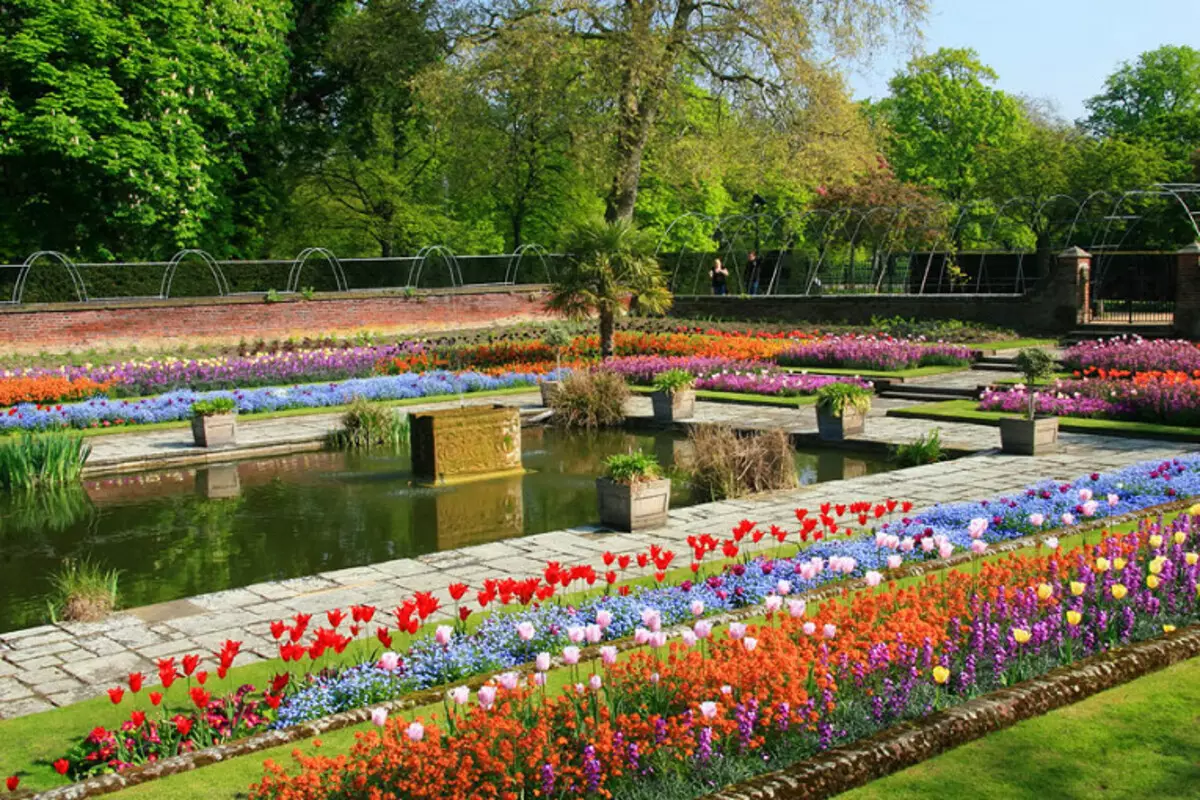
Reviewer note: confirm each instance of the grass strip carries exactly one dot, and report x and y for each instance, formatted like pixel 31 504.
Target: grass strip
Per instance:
pixel 742 397
pixel 1000 345
pixel 913 372
pixel 967 411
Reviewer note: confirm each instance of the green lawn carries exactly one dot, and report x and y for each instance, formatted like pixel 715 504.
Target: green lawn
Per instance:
pixel 991 348
pixel 915 372
pixel 1139 740
pixel 742 397
pixel 968 411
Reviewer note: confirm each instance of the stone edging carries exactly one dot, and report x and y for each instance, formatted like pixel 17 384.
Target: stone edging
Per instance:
pixel 907 744
pixel 106 784
pixel 1064 424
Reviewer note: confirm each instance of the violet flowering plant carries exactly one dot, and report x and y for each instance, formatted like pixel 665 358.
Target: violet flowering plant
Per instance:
pixel 1134 354
pixel 870 352
pixel 1157 401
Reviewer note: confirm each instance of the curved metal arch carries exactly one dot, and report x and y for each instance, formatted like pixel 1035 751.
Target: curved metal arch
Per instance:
pixel 662 241
pixel 168 278
pixel 435 250
pixel 788 239
pixel 514 262
pixel 298 263
pixel 1101 252
pixel 72 271
pixel 1069 239
pixel 816 269
pixel 989 238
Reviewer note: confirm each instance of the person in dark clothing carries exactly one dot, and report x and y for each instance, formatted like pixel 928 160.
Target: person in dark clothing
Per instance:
pixel 719 276
pixel 753 272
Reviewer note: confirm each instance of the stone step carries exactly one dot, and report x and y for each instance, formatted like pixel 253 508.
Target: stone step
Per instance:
pixel 1149 331
pixel 930 394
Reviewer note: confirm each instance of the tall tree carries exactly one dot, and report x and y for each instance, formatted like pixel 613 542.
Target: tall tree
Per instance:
pixel 1155 99
pixel 943 112
pixel 759 47
pixel 126 127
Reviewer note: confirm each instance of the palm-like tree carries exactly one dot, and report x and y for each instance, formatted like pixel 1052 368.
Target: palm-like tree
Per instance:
pixel 608 263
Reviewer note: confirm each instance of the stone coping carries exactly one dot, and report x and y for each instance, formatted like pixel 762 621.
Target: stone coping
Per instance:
pixel 909 743
pixel 106 784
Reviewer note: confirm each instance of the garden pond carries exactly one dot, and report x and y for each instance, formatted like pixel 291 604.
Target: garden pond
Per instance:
pixel 184 532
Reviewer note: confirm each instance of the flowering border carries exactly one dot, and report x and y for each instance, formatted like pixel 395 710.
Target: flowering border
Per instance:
pixel 841 769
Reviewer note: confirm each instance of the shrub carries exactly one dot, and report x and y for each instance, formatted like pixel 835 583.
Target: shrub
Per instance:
pixel 631 468
pixel 835 398
pixel 674 380
pixel 1036 365
pixel 83 592
pixel 590 400
pixel 729 465
pixel 367 425
pixel 215 405
pixel 558 339
pixel 922 450
pixel 41 460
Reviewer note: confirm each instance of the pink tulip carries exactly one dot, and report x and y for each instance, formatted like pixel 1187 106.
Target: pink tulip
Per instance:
pixel 1068 519
pixel 641 636
pixel 539 678
pixel 1037 520
pixel 604 618
pixel 593 633
pixel 783 588
pixel 702 628
pixel 750 643
pixel 460 695
pixel 906 545
pixel 379 716
pixel 658 639
pixel 829 631
pixel 796 608
pixel 809 628
pixel 570 656
pixel 945 550
pixel 1085 495
pixel 895 562
pixel 773 603
pixel 608 654
pixel 595 683
pixel 977 527
pixel 736 630
pixel 525 630
pixel 388 661
pixel 697 607
pixel 443 634
pixel 542 662
pixel 1113 500
pixel 873 578
pixel 651 618
pixel 575 634
pixel 689 638
pixel 487 697
pixel 1089 508
pixel 708 709
pixel 508 680
pixel 415 731
pixel 979 547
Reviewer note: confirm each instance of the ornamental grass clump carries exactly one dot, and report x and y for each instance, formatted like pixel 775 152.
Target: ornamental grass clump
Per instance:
pixel 590 399
pixel 925 449
pixel 213 406
pixel 40 460
pixel 83 591
pixel 367 425
pixel 730 465
pixel 631 468
pixel 674 380
pixel 836 398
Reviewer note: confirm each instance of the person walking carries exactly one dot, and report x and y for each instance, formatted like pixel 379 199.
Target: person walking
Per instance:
pixel 753 272
pixel 719 276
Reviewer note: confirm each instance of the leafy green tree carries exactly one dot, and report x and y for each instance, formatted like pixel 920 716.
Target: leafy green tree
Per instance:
pixel 771 50
pixel 608 263
pixel 1155 99
pixel 125 128
pixel 942 114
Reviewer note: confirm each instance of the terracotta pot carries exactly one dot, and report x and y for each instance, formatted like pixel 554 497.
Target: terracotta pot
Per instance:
pixel 633 507
pixel 670 406
pixel 1029 437
pixel 215 430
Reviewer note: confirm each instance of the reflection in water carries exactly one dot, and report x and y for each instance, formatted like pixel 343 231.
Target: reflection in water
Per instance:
pixel 177 533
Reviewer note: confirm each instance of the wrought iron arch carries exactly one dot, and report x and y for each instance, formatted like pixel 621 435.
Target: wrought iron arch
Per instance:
pixel 514 262
pixel 339 276
pixel 169 272
pixel 72 271
pixel 435 250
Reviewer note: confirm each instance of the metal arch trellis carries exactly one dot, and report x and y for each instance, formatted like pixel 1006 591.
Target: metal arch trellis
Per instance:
pixel 989 238
pixel 434 250
pixel 72 271
pixel 662 240
pixel 339 276
pixel 168 277
pixel 514 262
pixel 1103 249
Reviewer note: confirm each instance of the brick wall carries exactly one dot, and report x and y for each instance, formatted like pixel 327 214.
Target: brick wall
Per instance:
pixel 159 324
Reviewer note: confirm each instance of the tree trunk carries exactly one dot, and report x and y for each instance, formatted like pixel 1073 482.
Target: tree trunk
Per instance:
pixel 606 333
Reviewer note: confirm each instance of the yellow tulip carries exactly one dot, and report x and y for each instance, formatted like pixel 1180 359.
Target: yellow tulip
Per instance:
pixel 1073 617
pixel 1119 564
pixel 1180 537
pixel 1102 565
pixel 1194 510
pixel 1152 581
pixel 1118 591
pixel 1044 591
pixel 1191 558
pixel 1156 541
pixel 941 674
pixel 1156 566
pixel 1077 588
pixel 1168 628
pixel 1021 635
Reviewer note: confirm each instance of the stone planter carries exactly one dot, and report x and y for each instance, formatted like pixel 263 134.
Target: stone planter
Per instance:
pixel 464 443
pixel 215 430
pixel 834 429
pixel 1029 437
pixel 633 507
pixel 219 482
pixel 670 406
pixel 549 390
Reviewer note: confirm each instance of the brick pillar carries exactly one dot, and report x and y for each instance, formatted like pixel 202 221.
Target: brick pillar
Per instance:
pixel 1187 292
pixel 1066 292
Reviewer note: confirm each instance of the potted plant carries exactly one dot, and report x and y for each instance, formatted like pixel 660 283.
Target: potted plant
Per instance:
pixel 1032 434
pixel 633 495
pixel 557 338
pixel 673 397
pixel 214 422
pixel 842 410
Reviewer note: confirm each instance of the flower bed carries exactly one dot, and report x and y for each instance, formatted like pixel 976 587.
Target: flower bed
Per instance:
pixel 48 389
pixel 1133 354
pixel 1168 398
pixel 859 539
pixel 726 375
pixel 175 406
pixel 674 721
pixel 869 352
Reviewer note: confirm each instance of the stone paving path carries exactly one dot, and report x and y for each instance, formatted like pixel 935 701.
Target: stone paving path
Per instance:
pixel 56 665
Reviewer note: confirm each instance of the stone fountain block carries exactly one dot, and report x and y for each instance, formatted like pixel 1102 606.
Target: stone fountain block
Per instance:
pixel 462 443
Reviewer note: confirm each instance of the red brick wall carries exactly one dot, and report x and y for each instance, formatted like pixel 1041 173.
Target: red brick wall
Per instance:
pixel 159 324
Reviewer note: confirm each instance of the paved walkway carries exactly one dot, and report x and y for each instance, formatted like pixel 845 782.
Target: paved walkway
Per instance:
pixel 55 665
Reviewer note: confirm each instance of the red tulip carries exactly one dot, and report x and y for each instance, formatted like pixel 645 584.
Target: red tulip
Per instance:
pixel 384 637
pixel 12 782
pixel 463 613
pixel 642 559
pixel 202 676
pixel 906 506
pixel 609 558
pixel 116 695
pixel 610 577
pixel 183 725
pixel 623 562
pixel 272 701
pixel 660 576
pixel 280 682
pixel 138 718
pixel 190 663
pixel 457 590
pixel 222 671
pixel 155 698
pixel 840 509
pixel 200 697
pixel 277 628
pixel 335 616
pixel 61 766
pixel 135 682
